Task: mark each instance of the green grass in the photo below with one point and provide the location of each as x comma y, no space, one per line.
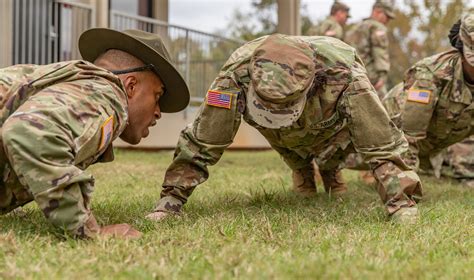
244,222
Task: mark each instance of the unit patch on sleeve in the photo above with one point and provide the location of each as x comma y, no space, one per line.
107,130
218,98
419,95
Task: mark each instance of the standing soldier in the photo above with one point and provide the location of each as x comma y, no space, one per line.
310,98
370,39
333,25
434,106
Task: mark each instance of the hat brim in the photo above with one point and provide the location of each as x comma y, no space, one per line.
276,117
94,42
390,15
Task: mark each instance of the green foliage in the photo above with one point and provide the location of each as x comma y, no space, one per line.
421,29
246,223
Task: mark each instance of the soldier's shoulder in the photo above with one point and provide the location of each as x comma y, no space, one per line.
441,64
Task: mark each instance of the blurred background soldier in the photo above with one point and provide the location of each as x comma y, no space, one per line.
370,39
333,25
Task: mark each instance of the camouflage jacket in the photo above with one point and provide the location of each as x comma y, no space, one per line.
370,39
435,106
56,120
342,112
328,27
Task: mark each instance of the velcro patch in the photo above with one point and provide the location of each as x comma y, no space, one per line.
107,130
380,33
419,95
220,99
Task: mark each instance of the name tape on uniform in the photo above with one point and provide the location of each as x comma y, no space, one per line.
419,95
219,98
107,130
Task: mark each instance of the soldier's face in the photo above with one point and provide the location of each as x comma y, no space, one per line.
341,16
144,90
468,70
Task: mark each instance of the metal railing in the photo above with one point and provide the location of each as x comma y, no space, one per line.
197,55
42,31
47,31
72,19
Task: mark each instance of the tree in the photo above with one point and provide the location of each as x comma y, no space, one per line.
262,20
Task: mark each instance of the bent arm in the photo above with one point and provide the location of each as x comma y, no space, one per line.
399,185
40,153
200,144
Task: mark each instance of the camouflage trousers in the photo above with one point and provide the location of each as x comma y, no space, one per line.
12,193
395,187
457,162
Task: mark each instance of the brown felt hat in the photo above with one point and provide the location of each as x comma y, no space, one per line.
147,47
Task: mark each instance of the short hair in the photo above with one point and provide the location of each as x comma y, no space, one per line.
119,59
454,37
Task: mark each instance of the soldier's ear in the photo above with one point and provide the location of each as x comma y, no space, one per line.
130,83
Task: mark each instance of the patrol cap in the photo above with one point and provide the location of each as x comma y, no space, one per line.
147,47
466,33
281,71
339,6
386,7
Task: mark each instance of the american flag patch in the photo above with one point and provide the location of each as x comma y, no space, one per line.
419,95
219,99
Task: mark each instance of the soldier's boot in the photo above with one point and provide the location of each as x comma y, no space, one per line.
468,183
333,182
304,181
367,177
406,215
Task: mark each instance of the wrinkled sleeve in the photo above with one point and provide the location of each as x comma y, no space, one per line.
200,144
416,116
380,142
379,42
43,140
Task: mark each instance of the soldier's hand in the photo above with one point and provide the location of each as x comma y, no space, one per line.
157,216
121,231
379,84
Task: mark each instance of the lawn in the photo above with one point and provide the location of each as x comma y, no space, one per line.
244,222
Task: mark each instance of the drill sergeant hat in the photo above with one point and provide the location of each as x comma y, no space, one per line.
147,47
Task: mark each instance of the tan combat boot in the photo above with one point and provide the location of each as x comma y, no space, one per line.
304,181
333,182
406,216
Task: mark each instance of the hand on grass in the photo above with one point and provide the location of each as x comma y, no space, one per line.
125,231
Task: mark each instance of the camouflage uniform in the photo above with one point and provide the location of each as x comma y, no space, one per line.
438,118
324,116
56,120
370,39
328,27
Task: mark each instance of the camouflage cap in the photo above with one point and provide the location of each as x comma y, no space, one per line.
386,6
282,71
466,33
339,6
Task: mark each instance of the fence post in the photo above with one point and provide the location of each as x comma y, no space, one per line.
6,33
188,64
